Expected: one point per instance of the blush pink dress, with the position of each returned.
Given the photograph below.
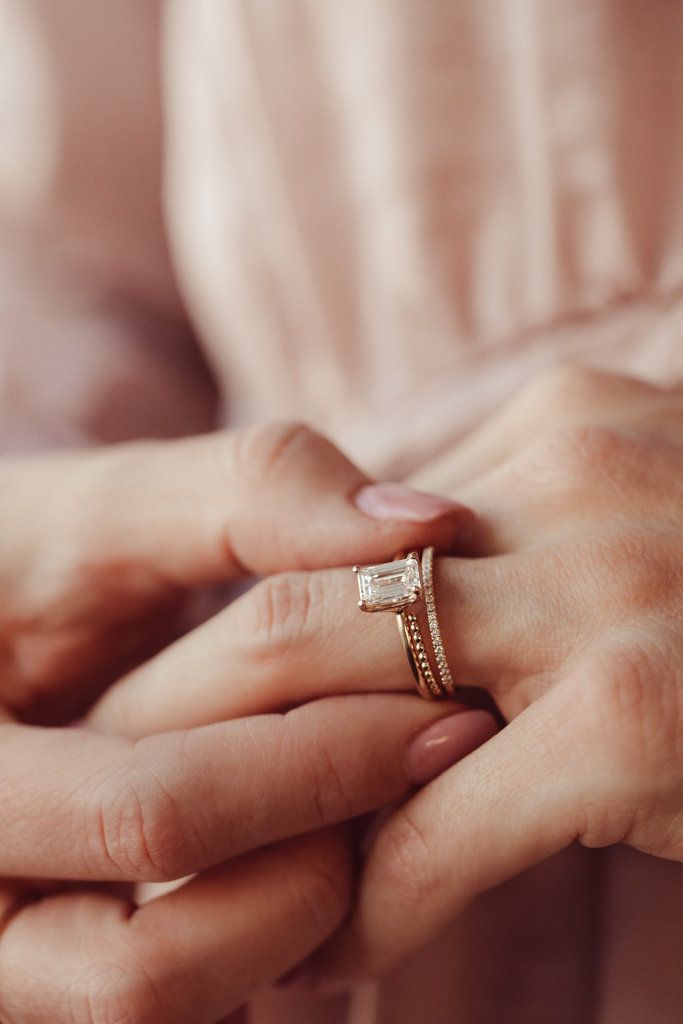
(382, 216)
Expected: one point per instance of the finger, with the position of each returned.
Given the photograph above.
(99, 548)
(195, 954)
(512, 803)
(505, 619)
(300, 635)
(562, 396)
(203, 509)
(577, 475)
(79, 805)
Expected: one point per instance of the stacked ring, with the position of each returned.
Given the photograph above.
(445, 677)
(395, 586)
(413, 645)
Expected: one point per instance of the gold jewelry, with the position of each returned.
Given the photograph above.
(413, 645)
(394, 586)
(444, 672)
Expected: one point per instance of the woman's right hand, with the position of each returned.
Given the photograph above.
(95, 547)
(570, 619)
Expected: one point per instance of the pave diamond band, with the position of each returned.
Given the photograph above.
(445, 677)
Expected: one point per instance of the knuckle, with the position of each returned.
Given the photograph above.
(605, 823)
(641, 694)
(628, 693)
(646, 574)
(587, 449)
(327, 786)
(268, 449)
(572, 459)
(403, 849)
(632, 574)
(632, 700)
(285, 612)
(137, 827)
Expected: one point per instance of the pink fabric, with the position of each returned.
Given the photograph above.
(383, 203)
(384, 215)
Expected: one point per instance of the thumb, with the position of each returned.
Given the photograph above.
(205, 509)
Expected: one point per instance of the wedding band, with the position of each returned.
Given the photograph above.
(395, 586)
(414, 647)
(444, 672)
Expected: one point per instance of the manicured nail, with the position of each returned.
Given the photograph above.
(395, 501)
(446, 742)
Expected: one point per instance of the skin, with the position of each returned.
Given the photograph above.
(98, 554)
(570, 617)
(94, 197)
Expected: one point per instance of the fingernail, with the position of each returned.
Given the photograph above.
(446, 742)
(396, 501)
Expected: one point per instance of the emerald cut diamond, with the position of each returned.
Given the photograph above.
(390, 586)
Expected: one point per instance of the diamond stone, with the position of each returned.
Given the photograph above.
(389, 586)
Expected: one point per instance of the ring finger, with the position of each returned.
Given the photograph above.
(300, 635)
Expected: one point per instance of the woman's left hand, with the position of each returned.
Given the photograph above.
(572, 618)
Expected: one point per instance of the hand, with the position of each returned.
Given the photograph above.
(575, 627)
(95, 546)
(99, 549)
(571, 619)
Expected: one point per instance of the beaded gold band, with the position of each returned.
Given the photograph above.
(413, 645)
(444, 672)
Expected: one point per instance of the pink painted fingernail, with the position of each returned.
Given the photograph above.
(446, 742)
(396, 501)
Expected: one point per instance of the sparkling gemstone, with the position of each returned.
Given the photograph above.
(390, 585)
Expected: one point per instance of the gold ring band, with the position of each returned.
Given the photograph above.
(414, 647)
(444, 672)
